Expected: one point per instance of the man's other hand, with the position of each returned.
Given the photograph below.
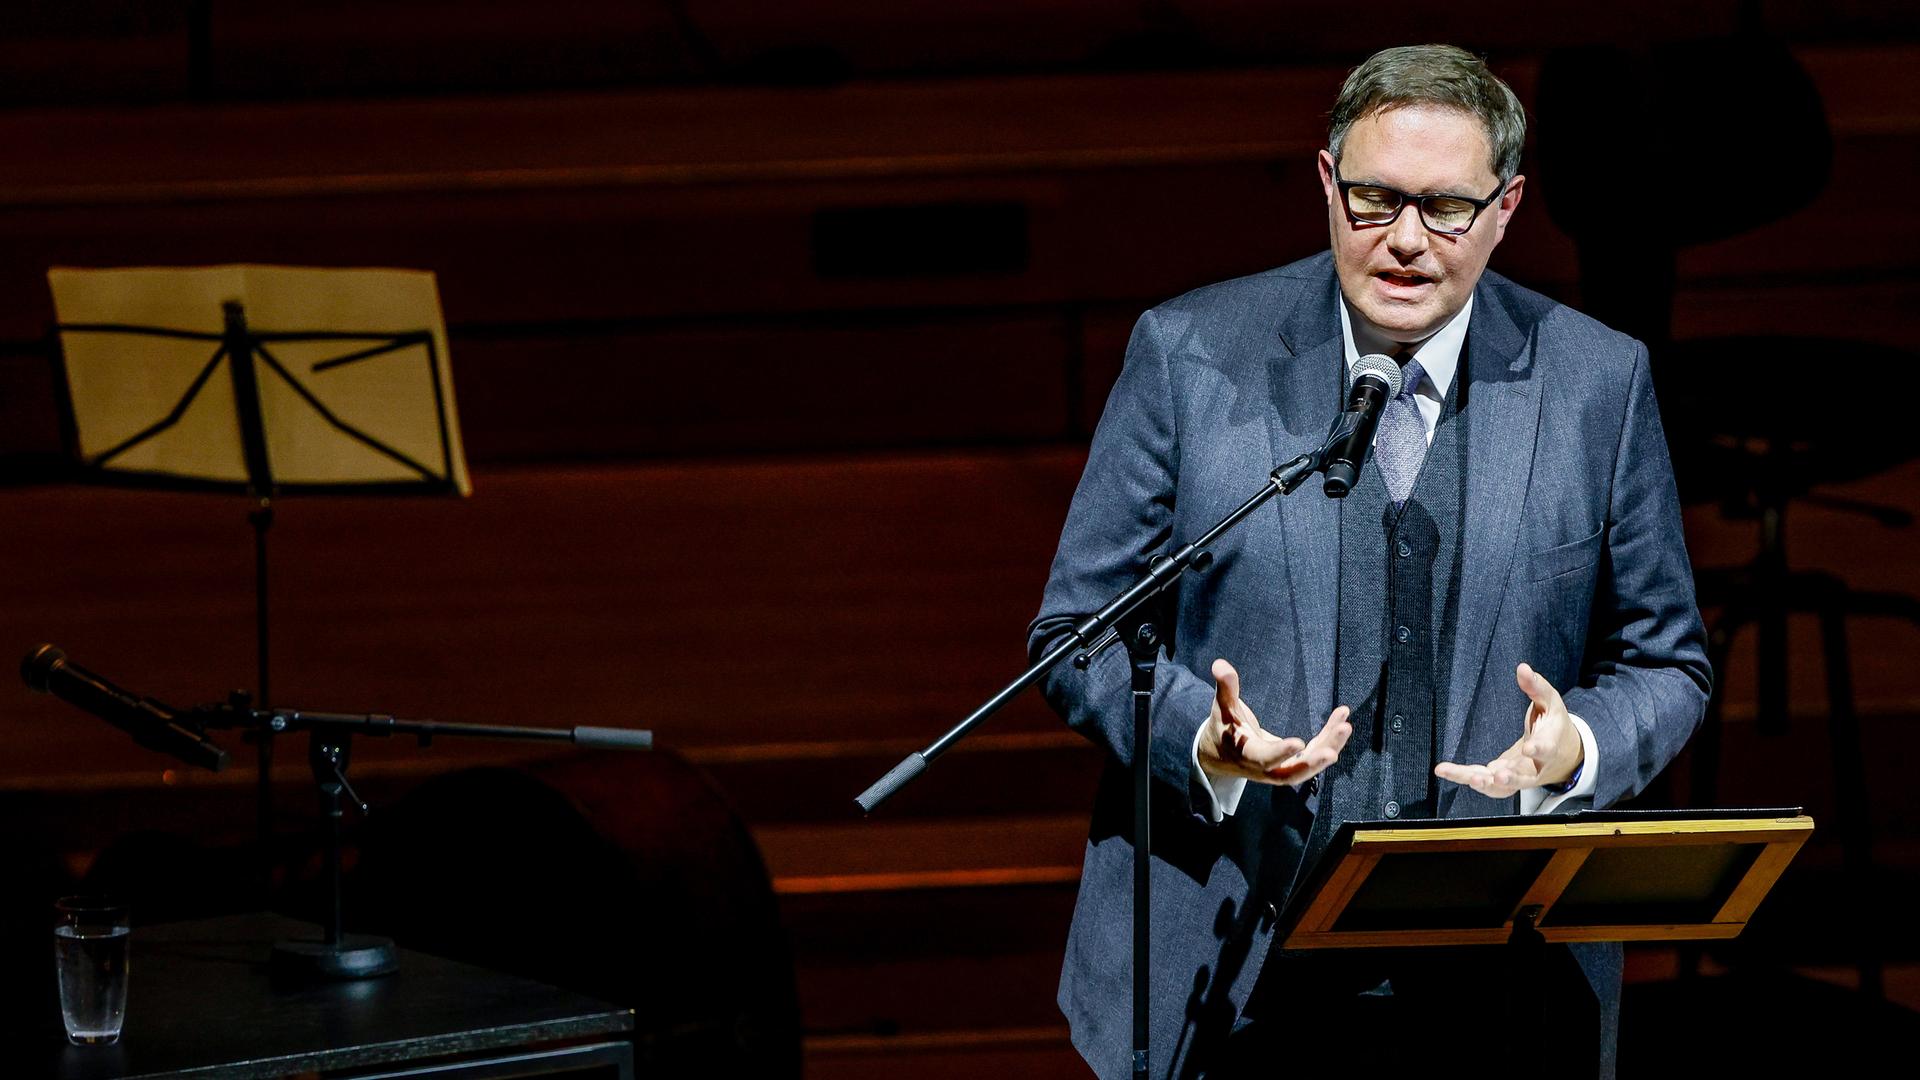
(1234, 743)
(1548, 752)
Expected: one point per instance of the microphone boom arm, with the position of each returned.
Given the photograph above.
(182, 733)
(1097, 631)
(236, 714)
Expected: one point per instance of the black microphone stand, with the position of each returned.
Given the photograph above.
(339, 955)
(1128, 618)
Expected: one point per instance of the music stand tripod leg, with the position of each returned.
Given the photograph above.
(1850, 783)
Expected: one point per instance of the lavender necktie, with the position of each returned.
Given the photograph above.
(1400, 443)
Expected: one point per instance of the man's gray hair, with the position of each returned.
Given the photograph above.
(1442, 75)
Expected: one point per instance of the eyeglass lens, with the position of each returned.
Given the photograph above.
(1378, 205)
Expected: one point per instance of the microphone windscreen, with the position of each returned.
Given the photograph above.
(1382, 365)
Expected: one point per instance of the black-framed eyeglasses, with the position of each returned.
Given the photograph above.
(1378, 204)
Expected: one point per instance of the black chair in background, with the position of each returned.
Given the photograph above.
(165, 877)
(629, 878)
(1641, 154)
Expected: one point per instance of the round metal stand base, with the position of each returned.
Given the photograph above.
(357, 956)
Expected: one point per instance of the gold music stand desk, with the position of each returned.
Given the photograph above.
(1595, 876)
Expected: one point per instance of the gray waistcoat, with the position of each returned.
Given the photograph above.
(1399, 600)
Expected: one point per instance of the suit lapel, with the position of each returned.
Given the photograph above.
(1306, 381)
(1503, 420)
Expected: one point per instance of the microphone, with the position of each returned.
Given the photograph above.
(1376, 381)
(152, 724)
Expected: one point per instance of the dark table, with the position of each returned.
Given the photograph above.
(200, 1004)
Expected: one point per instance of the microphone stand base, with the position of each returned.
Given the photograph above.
(354, 956)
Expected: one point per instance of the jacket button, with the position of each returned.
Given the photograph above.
(1393, 809)
(1402, 635)
(1403, 549)
(1399, 723)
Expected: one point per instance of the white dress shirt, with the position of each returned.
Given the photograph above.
(1439, 357)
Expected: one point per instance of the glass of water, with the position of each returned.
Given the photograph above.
(90, 938)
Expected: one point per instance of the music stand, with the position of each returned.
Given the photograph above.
(337, 382)
(1664, 875)
(1519, 884)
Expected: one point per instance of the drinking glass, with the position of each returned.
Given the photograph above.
(90, 937)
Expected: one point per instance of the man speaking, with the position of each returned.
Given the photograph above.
(1498, 618)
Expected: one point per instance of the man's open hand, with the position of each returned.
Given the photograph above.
(1234, 743)
(1548, 752)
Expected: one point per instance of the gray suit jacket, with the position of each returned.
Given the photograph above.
(1573, 562)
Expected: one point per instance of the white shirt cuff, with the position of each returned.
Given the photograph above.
(1542, 801)
(1223, 792)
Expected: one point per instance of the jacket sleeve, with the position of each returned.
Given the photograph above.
(1122, 514)
(1644, 680)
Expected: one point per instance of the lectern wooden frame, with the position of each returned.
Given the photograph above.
(1607, 876)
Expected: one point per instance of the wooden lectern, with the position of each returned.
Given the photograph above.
(1664, 875)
